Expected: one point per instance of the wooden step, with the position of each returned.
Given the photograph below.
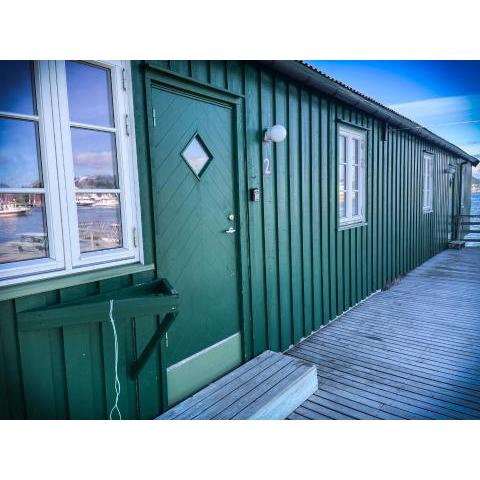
(269, 387)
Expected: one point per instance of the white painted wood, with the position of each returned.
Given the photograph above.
(352, 135)
(57, 165)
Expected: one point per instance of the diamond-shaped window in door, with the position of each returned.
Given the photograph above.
(196, 155)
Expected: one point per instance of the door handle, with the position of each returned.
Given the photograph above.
(230, 230)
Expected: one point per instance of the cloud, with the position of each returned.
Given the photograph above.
(441, 109)
(90, 158)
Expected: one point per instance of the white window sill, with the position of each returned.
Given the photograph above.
(351, 224)
(428, 210)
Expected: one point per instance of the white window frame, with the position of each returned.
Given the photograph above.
(428, 165)
(58, 178)
(351, 134)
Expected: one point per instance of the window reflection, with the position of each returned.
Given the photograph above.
(23, 232)
(89, 94)
(19, 154)
(94, 159)
(343, 211)
(196, 155)
(99, 221)
(16, 87)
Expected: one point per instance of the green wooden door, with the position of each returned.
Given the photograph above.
(193, 160)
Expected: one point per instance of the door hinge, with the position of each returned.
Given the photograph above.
(134, 236)
(124, 79)
(127, 125)
(166, 340)
(154, 115)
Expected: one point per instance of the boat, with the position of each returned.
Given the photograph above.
(107, 202)
(85, 202)
(12, 210)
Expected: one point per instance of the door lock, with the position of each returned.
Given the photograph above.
(231, 217)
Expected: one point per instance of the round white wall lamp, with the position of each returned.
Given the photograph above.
(275, 134)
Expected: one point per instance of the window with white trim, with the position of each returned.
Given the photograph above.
(68, 179)
(351, 175)
(427, 182)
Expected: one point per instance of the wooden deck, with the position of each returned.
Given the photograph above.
(410, 352)
(269, 387)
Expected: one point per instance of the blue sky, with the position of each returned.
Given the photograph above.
(443, 96)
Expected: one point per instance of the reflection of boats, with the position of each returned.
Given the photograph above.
(107, 202)
(85, 202)
(12, 210)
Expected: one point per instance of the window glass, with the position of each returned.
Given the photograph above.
(343, 149)
(196, 155)
(356, 151)
(19, 154)
(355, 177)
(354, 203)
(94, 158)
(17, 87)
(89, 94)
(342, 200)
(342, 177)
(99, 221)
(23, 231)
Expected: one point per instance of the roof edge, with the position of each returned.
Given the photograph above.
(310, 76)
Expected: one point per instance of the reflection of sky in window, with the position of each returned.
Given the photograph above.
(16, 87)
(93, 154)
(196, 156)
(89, 94)
(18, 154)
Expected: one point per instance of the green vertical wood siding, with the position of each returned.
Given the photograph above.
(303, 270)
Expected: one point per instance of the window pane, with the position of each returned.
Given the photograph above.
(19, 154)
(94, 159)
(343, 149)
(16, 87)
(342, 205)
(343, 172)
(99, 221)
(356, 151)
(23, 231)
(197, 155)
(89, 94)
(355, 177)
(354, 203)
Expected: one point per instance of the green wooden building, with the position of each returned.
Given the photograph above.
(160, 193)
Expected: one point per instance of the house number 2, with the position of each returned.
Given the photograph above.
(266, 166)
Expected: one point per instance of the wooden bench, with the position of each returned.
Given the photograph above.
(271, 386)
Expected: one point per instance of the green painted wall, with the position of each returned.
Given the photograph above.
(304, 271)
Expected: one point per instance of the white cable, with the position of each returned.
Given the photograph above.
(117, 381)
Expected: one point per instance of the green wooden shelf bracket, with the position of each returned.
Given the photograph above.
(162, 329)
(153, 298)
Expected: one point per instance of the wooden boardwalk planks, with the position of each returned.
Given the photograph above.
(271, 386)
(409, 352)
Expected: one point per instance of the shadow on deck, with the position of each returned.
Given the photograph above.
(410, 352)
